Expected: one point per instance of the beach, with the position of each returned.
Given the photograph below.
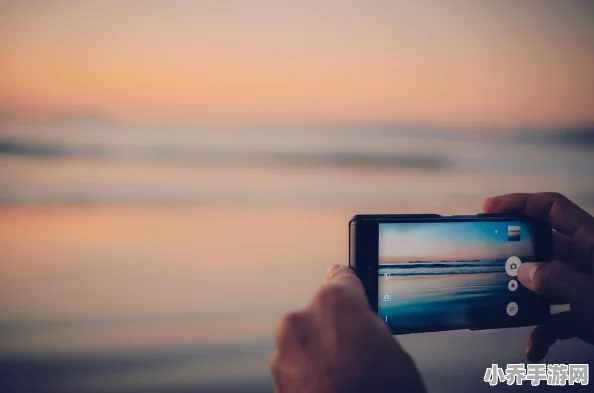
(128, 272)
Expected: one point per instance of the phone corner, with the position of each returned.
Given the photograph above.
(355, 219)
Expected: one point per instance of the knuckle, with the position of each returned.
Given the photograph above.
(288, 328)
(295, 331)
(557, 197)
(289, 322)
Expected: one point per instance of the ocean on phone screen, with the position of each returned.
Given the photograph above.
(415, 268)
(437, 297)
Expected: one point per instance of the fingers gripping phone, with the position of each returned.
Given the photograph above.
(427, 273)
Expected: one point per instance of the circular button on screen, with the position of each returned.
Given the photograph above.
(512, 309)
(512, 265)
(512, 285)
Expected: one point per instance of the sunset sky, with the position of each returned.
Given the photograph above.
(516, 64)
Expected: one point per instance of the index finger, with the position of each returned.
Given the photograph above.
(344, 275)
(563, 215)
(342, 279)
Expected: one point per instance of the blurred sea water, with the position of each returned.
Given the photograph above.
(377, 166)
(158, 259)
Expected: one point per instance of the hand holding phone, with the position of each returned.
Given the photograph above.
(568, 278)
(337, 344)
(426, 273)
(355, 356)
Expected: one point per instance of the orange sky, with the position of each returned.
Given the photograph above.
(487, 65)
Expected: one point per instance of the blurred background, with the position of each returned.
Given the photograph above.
(176, 175)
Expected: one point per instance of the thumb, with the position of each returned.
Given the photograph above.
(554, 280)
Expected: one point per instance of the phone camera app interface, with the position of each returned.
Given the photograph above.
(447, 275)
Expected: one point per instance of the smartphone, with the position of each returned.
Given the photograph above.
(428, 273)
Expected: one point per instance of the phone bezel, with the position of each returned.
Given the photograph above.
(363, 256)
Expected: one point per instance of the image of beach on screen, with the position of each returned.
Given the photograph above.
(443, 275)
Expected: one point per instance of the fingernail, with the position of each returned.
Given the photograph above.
(527, 271)
(332, 268)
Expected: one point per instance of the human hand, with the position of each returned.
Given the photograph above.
(337, 344)
(568, 277)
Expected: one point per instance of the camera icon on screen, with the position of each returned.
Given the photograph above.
(512, 309)
(511, 266)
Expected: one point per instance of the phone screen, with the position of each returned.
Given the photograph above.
(436, 276)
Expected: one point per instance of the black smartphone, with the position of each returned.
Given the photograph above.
(428, 273)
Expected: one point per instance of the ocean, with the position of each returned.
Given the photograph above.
(447, 295)
(157, 259)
